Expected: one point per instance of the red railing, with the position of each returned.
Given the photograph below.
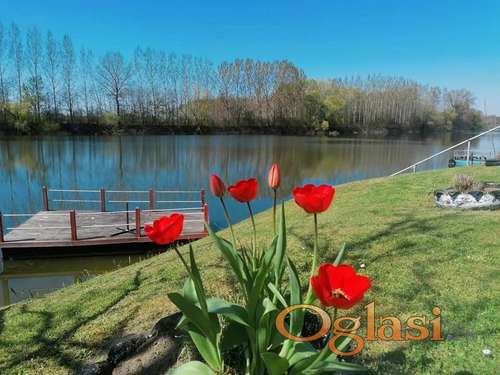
(105, 198)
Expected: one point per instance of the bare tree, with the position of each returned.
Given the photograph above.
(114, 73)
(68, 69)
(51, 66)
(16, 54)
(34, 61)
(4, 94)
(86, 58)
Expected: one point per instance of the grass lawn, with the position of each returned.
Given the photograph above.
(417, 255)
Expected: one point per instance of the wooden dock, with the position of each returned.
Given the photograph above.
(68, 228)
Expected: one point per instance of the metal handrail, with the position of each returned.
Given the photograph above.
(414, 166)
(105, 195)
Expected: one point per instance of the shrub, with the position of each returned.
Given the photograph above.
(463, 183)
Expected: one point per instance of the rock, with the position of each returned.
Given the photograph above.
(477, 195)
(464, 199)
(487, 199)
(449, 198)
(124, 348)
(99, 368)
(152, 353)
(154, 357)
(167, 325)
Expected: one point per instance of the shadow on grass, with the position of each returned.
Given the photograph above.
(54, 348)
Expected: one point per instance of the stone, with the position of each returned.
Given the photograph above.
(449, 198)
(99, 368)
(154, 357)
(125, 347)
(477, 195)
(167, 325)
(152, 353)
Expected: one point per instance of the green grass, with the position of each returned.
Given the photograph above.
(418, 256)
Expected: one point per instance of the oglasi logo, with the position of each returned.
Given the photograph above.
(416, 328)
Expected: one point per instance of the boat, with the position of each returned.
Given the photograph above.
(463, 158)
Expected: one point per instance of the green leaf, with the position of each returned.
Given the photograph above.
(276, 340)
(256, 291)
(275, 364)
(231, 311)
(269, 306)
(234, 335)
(198, 284)
(194, 314)
(192, 368)
(266, 324)
(189, 291)
(280, 247)
(270, 252)
(277, 294)
(296, 316)
(300, 351)
(340, 255)
(231, 256)
(207, 348)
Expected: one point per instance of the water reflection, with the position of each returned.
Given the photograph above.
(185, 162)
(30, 278)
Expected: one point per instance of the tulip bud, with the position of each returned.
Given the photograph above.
(274, 176)
(217, 186)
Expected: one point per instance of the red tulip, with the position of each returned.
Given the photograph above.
(314, 199)
(245, 190)
(217, 186)
(273, 177)
(166, 229)
(339, 286)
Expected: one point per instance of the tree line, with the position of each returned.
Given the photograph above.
(47, 84)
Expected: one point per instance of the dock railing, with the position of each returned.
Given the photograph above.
(153, 199)
(413, 167)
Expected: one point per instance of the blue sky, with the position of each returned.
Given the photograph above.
(452, 43)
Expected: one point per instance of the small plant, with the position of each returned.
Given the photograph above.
(268, 283)
(463, 183)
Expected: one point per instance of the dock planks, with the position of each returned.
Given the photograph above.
(53, 228)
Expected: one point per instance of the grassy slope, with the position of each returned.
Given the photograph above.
(418, 256)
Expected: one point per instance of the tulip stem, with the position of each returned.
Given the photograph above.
(182, 259)
(309, 297)
(254, 231)
(274, 212)
(229, 222)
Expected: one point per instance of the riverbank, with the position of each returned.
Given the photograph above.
(417, 255)
(293, 128)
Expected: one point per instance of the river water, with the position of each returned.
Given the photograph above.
(181, 163)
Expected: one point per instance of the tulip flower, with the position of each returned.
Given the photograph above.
(314, 200)
(245, 191)
(339, 286)
(166, 229)
(218, 188)
(273, 179)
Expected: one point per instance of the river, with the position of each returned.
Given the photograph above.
(181, 162)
